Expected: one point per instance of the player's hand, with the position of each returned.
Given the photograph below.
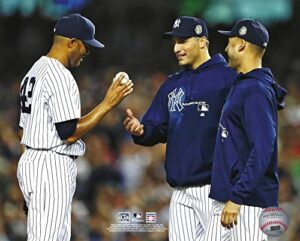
(117, 91)
(132, 124)
(230, 214)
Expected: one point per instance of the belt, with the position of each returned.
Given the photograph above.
(43, 149)
(200, 185)
(73, 157)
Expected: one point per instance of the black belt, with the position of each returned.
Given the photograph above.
(43, 149)
(73, 157)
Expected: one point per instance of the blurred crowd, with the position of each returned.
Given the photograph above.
(115, 174)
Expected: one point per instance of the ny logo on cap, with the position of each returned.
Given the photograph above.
(243, 31)
(176, 23)
(198, 29)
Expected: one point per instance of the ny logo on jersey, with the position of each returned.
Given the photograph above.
(175, 100)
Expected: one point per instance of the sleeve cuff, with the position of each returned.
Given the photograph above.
(138, 139)
(236, 198)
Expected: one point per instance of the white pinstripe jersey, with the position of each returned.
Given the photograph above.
(49, 94)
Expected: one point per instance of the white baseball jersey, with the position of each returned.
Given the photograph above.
(189, 213)
(47, 171)
(49, 94)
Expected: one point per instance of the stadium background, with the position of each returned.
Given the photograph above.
(116, 175)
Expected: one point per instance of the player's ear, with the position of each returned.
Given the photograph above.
(203, 41)
(241, 44)
(71, 42)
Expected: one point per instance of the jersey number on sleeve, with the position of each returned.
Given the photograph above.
(26, 94)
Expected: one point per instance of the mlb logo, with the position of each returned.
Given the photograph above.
(137, 217)
(203, 107)
(150, 217)
(123, 217)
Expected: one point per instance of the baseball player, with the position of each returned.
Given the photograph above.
(52, 126)
(184, 114)
(244, 173)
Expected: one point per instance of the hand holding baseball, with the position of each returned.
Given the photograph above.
(132, 124)
(118, 91)
(125, 78)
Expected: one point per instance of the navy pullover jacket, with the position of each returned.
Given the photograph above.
(185, 113)
(245, 159)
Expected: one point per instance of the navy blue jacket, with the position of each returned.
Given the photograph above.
(185, 113)
(245, 159)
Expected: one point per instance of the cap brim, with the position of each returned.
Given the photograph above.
(169, 35)
(94, 43)
(227, 33)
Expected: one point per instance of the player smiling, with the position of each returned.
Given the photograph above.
(184, 114)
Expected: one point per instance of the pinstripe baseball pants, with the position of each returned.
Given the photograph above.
(189, 213)
(47, 181)
(247, 228)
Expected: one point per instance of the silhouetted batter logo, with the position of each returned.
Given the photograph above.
(137, 217)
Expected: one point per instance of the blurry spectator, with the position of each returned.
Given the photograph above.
(115, 174)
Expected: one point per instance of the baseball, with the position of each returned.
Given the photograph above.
(273, 221)
(124, 80)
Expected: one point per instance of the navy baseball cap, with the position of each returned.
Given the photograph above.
(185, 27)
(250, 30)
(79, 27)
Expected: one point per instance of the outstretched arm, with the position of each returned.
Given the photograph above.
(153, 128)
(132, 124)
(115, 94)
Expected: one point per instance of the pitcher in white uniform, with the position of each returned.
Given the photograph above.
(52, 126)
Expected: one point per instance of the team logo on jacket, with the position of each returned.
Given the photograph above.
(176, 103)
(203, 107)
(175, 100)
(224, 132)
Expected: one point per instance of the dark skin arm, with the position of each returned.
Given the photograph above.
(115, 94)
